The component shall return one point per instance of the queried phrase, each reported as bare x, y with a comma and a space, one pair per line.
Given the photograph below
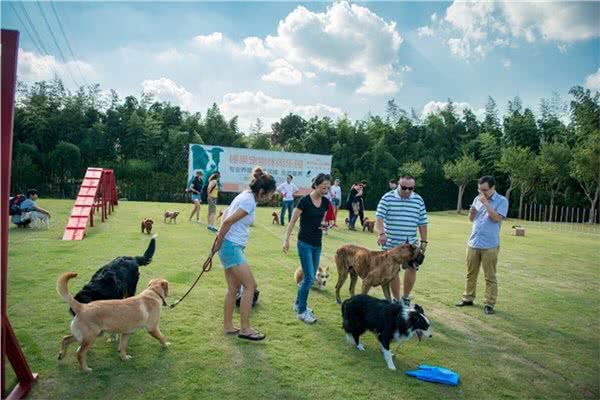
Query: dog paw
167, 344
86, 369
391, 368
360, 347
126, 357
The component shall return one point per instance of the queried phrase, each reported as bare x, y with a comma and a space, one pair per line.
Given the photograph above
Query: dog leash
205, 268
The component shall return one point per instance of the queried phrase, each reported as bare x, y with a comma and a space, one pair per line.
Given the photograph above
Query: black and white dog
389, 321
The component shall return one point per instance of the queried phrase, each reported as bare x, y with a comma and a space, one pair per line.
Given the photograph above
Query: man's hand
484, 200
382, 240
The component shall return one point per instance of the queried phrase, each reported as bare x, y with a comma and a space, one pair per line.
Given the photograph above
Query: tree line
550, 157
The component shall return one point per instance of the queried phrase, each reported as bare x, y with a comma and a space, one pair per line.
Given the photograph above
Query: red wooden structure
98, 192
10, 346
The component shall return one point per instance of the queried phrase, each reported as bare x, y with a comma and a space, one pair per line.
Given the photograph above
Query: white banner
235, 166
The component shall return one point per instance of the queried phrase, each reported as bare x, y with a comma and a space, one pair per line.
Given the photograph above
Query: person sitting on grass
30, 210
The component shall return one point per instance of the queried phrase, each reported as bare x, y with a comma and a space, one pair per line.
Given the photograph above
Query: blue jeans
309, 259
352, 219
289, 206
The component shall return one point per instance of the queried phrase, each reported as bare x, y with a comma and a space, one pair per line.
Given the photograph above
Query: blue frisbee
432, 373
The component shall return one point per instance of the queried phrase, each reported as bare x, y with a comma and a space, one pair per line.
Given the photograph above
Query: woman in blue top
230, 244
311, 210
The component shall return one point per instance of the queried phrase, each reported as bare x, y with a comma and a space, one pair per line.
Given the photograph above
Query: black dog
117, 279
389, 321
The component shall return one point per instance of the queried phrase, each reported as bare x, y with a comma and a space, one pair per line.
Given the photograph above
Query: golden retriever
113, 316
375, 268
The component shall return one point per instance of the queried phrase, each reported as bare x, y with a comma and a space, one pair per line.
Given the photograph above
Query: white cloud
592, 81
425, 31
506, 63
251, 105
434, 107
35, 67
255, 47
406, 68
331, 84
476, 27
562, 48
212, 40
169, 56
165, 89
284, 73
310, 74
345, 40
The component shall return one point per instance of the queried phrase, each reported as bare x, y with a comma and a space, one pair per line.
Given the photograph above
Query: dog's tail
147, 257
62, 287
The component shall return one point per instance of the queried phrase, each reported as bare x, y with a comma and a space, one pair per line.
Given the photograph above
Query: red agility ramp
98, 192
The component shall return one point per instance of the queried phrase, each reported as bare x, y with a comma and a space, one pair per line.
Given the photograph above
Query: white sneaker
308, 317
295, 308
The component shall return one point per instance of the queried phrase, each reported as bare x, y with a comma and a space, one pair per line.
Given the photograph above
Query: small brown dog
375, 268
112, 316
147, 225
275, 218
369, 225
171, 215
320, 279
347, 221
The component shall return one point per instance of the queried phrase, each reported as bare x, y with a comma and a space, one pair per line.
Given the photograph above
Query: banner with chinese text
235, 165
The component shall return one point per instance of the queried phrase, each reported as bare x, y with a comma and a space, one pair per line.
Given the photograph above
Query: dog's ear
165, 287
149, 220
419, 309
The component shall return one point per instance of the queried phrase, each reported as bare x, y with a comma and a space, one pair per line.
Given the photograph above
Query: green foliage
57, 134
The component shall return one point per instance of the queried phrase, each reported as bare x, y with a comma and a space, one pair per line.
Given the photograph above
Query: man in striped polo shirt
399, 214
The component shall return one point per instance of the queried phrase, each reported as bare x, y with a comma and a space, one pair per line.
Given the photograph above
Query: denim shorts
335, 202
231, 254
196, 197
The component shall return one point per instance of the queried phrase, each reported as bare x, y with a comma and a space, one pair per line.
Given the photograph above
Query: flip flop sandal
234, 332
255, 336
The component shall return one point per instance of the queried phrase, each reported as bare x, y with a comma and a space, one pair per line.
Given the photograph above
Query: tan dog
275, 218
369, 225
113, 316
320, 279
171, 216
147, 225
375, 268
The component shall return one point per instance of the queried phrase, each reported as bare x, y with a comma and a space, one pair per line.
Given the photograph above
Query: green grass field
543, 342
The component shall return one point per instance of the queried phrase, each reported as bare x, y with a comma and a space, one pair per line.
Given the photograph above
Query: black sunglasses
407, 187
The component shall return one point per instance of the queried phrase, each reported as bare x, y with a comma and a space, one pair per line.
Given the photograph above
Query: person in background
336, 199
353, 205
287, 190
30, 209
310, 210
212, 195
486, 213
393, 184
196, 189
231, 244
361, 203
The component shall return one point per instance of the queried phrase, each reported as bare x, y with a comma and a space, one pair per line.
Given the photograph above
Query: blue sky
266, 59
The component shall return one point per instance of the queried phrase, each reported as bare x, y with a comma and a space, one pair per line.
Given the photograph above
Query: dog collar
164, 303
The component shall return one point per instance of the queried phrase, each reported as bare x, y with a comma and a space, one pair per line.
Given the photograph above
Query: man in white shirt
335, 194
287, 190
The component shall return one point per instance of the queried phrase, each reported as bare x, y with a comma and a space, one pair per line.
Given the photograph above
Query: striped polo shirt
401, 217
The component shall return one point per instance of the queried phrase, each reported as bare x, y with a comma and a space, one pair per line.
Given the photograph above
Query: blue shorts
231, 254
196, 197
335, 202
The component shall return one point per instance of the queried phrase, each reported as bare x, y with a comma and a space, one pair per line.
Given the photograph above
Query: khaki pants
488, 258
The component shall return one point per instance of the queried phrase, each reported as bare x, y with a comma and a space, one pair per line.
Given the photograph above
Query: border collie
389, 321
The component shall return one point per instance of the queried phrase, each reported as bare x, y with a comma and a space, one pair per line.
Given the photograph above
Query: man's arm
494, 216
472, 213
423, 233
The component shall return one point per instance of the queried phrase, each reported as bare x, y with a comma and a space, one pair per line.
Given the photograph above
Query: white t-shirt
336, 192
238, 233
287, 190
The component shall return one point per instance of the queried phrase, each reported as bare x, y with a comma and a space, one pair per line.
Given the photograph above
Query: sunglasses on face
409, 188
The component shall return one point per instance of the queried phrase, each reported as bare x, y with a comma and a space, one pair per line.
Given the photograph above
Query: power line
35, 44
32, 26
67, 41
57, 46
